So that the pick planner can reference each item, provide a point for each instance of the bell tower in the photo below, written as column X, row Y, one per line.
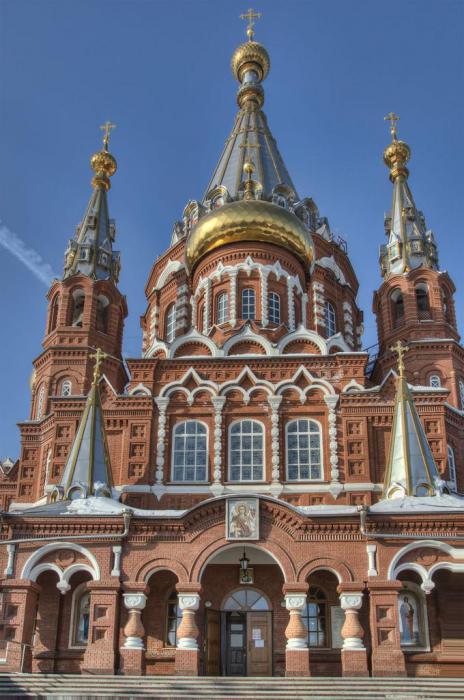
column 415, row 300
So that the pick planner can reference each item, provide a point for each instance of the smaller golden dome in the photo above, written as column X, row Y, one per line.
column 395, row 157
column 103, row 163
column 252, row 220
column 252, row 56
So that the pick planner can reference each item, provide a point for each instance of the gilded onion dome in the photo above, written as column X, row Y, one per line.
column 249, row 220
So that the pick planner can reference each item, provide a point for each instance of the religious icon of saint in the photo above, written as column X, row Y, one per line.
column 243, row 520
column 408, row 621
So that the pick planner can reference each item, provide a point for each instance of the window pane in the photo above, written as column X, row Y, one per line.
column 189, row 457
column 303, row 450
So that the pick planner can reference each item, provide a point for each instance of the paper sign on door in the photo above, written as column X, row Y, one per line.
column 259, row 642
column 255, row 633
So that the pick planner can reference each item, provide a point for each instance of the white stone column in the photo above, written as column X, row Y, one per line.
column 117, row 551
column 291, row 304
column 371, row 550
column 162, row 404
column 134, row 630
column 296, row 632
column 264, row 297
column 206, row 307
column 335, row 486
column 11, row 551
column 187, row 632
column 276, row 485
column 304, row 310
column 217, row 486
column 352, row 631
column 233, row 297
column 193, row 303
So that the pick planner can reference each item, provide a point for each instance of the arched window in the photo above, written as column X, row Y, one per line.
column 435, row 381
column 170, row 323
column 422, row 301
column 274, row 307
column 40, row 403
column 102, row 314
column 66, row 387
column 246, row 461
column 222, row 308
column 78, row 302
column 461, row 393
column 451, row 467
column 304, row 450
column 397, row 307
column 173, row 620
column 315, row 617
column 80, row 617
column 54, row 312
column 189, row 454
column 329, row 316
column 246, row 599
column 248, row 304
column 446, row 301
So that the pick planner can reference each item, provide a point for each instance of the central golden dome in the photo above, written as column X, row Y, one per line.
column 253, row 220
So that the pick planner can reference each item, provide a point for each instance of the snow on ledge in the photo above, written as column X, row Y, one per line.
column 419, row 504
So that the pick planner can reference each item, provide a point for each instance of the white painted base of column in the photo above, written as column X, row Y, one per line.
column 217, row 489
column 297, row 643
column 276, row 489
column 133, row 643
column 353, row 644
column 187, row 643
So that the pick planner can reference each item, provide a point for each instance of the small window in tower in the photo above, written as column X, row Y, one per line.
column 54, row 312
column 248, row 304
column 66, row 387
column 170, row 323
column 422, row 301
column 102, row 314
column 330, row 322
column 435, row 381
column 451, row 467
column 397, row 307
column 274, row 307
column 78, row 302
column 461, row 393
column 222, row 308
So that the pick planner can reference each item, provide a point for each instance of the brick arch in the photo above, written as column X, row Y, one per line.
column 192, row 348
column 162, row 564
column 335, row 566
column 301, row 346
column 275, row 550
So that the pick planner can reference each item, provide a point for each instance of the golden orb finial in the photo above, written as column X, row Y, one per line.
column 249, row 168
column 397, row 153
column 103, row 163
column 251, row 15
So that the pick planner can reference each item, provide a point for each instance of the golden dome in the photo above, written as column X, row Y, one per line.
column 395, row 157
column 252, row 56
column 253, row 220
column 103, row 163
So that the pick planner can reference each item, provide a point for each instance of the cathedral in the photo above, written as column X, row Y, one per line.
column 255, row 494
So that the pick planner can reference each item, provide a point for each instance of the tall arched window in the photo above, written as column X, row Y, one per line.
column 78, row 302
column 461, row 393
column 66, row 387
column 190, row 453
column 315, row 617
column 40, row 403
column 397, row 307
column 435, row 381
column 222, row 308
column 170, row 323
column 422, row 301
column 274, row 307
column 246, row 460
column 330, row 319
column 304, row 450
column 54, row 313
column 248, row 304
column 80, row 617
column 451, row 466
column 102, row 313
column 173, row 620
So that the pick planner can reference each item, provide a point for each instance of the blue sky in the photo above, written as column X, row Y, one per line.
column 160, row 70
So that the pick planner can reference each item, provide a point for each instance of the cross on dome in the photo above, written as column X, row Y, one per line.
column 251, row 15
column 400, row 350
column 393, row 119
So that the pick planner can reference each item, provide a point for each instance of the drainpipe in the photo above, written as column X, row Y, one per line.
column 363, row 512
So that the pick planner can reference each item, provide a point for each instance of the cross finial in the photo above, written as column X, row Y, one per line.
column 106, row 127
column 392, row 118
column 98, row 356
column 251, row 15
column 400, row 350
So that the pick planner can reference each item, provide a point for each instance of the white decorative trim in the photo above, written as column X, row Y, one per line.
column 371, row 550
column 170, row 267
column 331, row 402
column 426, row 575
column 117, row 551
column 218, row 404
column 264, row 297
column 32, row 568
column 248, row 334
column 141, row 389
column 302, row 333
column 330, row 263
column 274, row 403
column 291, row 304
column 162, row 404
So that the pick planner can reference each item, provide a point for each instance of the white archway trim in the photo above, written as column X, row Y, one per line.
column 32, row 563
column 454, row 552
column 303, row 333
column 339, row 341
column 155, row 347
column 352, row 385
column 202, row 384
column 248, row 334
column 313, row 383
column 196, row 337
column 170, row 267
column 329, row 263
column 140, row 389
column 249, row 265
column 247, row 373
column 328, row 568
column 238, row 546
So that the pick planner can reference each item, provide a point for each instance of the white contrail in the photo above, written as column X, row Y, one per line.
column 29, row 257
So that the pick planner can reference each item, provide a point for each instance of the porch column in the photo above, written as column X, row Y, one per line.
column 354, row 654
column 387, row 655
column 133, row 651
column 296, row 652
column 187, row 661
column 18, row 609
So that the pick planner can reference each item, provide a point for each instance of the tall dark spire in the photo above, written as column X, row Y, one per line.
column 91, row 251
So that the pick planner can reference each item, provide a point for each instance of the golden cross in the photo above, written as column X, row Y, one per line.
column 106, row 127
column 392, row 118
column 99, row 356
column 400, row 350
column 250, row 16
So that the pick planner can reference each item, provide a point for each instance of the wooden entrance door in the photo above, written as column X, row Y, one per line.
column 213, row 642
column 259, row 644
column 236, row 637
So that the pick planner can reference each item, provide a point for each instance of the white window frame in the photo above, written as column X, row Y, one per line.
column 250, row 294
column 461, row 393
column 435, row 381
column 170, row 323
column 330, row 318
column 451, row 466
column 263, row 450
column 76, row 596
column 40, row 403
column 222, row 308
column 321, row 448
column 189, row 481
column 66, row 388
column 274, row 307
